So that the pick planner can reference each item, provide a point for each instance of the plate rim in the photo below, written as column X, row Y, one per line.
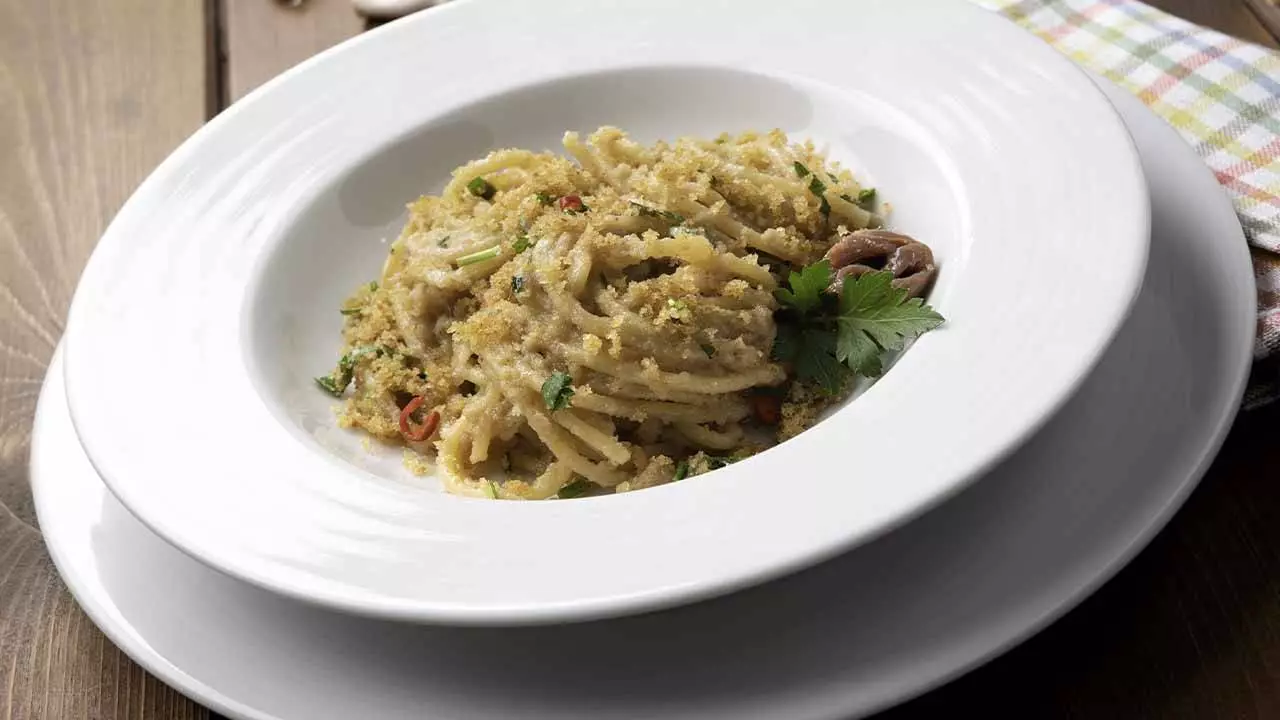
column 1231, row 394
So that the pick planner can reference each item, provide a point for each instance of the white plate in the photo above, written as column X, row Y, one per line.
column 211, row 300
column 869, row 628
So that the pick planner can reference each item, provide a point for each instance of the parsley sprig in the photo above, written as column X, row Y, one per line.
column 336, row 383
column 557, row 391
column 829, row 338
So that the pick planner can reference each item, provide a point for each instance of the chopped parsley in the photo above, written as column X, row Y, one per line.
column 521, row 243
column 866, row 195
column 336, row 383
column 678, row 310
column 444, row 241
column 517, row 283
column 557, row 391
column 801, row 170
column 490, row 490
column 819, row 188
column 708, row 348
column 576, row 488
column 682, row 470
column 481, row 188
column 480, row 256
column 351, row 311
column 544, row 199
column 715, row 462
column 828, row 338
column 373, row 286
column 646, row 211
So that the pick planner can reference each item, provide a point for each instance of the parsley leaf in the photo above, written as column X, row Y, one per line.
column 522, row 243
column 544, row 199
column 801, row 170
column 866, row 195
column 574, row 489
column 557, row 390
column 336, row 383
column 646, row 211
column 806, row 287
column 816, row 362
column 874, row 316
column 682, row 470
column 827, row 339
column 816, row 186
column 708, row 348
column 786, row 344
column 481, row 188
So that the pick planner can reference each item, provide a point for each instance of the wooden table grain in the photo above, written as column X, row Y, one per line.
column 94, row 93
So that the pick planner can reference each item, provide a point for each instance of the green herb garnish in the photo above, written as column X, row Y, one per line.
column 351, row 311
column 866, row 195
column 828, row 338
column 557, row 390
column 682, row 470
column 336, row 383
column 801, row 170
column 481, row 188
column 646, row 211
column 574, row 489
column 444, row 241
column 373, row 286
column 715, row 462
column 490, row 490
column 708, row 348
column 517, row 283
column 521, row 243
column 544, row 199
column 480, row 256
column 819, row 188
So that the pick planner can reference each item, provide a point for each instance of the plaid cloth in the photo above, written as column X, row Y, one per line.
column 1221, row 93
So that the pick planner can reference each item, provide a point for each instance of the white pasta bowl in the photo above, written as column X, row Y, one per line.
column 210, row 302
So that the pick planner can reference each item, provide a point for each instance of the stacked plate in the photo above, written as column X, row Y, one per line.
column 205, row 509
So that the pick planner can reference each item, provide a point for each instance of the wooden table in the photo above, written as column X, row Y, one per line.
column 94, row 93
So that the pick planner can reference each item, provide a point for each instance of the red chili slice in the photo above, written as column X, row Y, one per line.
column 428, row 426
column 767, row 408
column 571, row 203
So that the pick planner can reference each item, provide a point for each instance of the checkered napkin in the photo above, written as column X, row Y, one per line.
column 1221, row 94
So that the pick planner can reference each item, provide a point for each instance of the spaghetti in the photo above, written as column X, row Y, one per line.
column 548, row 326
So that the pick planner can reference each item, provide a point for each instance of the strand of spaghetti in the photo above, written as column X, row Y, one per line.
column 641, row 410
column 561, row 445
column 560, row 442
column 849, row 211
column 638, row 332
column 605, row 444
column 579, row 269
column 727, row 439
column 610, row 385
column 490, row 164
column 697, row 249
column 478, row 416
column 556, row 476
column 648, row 373
column 585, row 157
column 723, row 409
column 617, row 145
